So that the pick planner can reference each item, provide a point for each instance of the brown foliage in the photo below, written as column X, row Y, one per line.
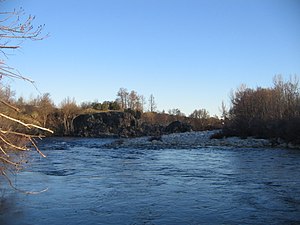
column 197, row 124
column 69, row 111
column 266, row 112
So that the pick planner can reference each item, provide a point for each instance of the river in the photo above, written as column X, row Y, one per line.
column 88, row 184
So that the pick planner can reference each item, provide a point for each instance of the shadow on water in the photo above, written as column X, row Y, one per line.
column 8, row 207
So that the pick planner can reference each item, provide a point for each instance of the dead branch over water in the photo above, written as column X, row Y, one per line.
column 18, row 131
column 12, row 141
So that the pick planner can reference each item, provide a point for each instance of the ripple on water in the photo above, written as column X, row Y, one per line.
column 59, row 173
column 135, row 186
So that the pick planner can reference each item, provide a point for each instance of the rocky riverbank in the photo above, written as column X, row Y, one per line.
column 187, row 140
column 127, row 124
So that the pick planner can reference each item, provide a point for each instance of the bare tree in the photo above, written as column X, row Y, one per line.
column 45, row 107
column 69, row 110
column 200, row 114
column 123, row 98
column 152, row 104
column 267, row 112
column 133, row 100
column 141, row 103
column 224, row 111
column 130, row 100
column 13, row 32
column 17, row 131
column 176, row 112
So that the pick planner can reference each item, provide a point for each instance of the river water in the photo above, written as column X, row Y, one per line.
column 88, row 184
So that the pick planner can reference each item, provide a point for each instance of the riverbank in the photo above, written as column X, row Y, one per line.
column 188, row 140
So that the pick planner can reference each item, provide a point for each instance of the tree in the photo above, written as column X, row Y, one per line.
column 133, row 100
column 45, row 107
column 141, row 103
column 69, row 111
column 96, row 105
column 13, row 31
column 86, row 105
column 114, row 106
column 224, row 111
column 200, row 114
column 266, row 112
column 123, row 98
column 176, row 112
column 152, row 103
column 17, row 131
column 105, row 105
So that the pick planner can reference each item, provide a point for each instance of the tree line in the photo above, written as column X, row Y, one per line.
column 261, row 112
column 266, row 112
column 60, row 118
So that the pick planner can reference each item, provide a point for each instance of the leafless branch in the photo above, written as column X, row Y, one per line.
column 21, row 134
column 4, row 152
column 36, row 147
column 25, row 192
column 12, row 27
column 9, row 162
column 27, row 125
column 11, row 145
column 10, row 105
column 16, row 135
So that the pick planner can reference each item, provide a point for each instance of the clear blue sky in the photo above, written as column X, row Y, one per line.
column 188, row 53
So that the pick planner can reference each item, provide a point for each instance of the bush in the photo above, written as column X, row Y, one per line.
column 266, row 112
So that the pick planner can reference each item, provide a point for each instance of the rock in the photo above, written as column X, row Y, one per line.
column 151, row 129
column 178, row 127
column 189, row 140
column 155, row 138
column 106, row 124
column 120, row 124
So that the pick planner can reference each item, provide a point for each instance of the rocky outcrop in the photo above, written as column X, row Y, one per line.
column 107, row 124
column 122, row 124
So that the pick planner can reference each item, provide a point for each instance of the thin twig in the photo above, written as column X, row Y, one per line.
column 9, row 73
column 36, row 147
column 10, row 162
column 12, row 145
column 21, row 134
column 2, row 150
column 25, row 192
column 10, row 106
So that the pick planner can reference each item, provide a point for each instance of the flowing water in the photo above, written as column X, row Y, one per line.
column 88, row 184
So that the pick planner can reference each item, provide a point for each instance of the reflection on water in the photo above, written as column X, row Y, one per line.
column 91, row 185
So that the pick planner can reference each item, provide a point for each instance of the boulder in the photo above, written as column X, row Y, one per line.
column 178, row 127
column 106, row 124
